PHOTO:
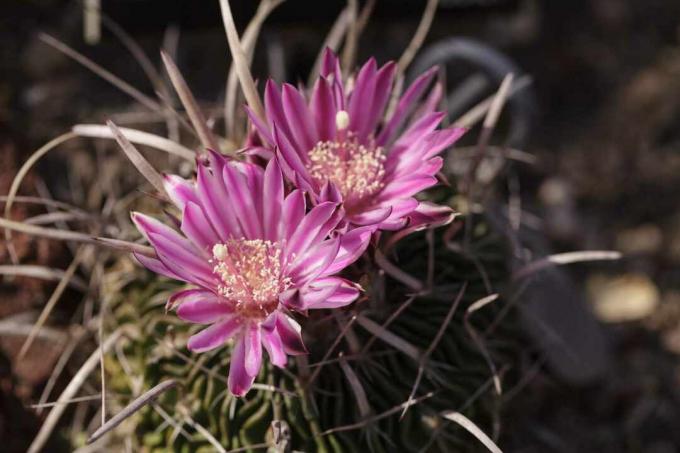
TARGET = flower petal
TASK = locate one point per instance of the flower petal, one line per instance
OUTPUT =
(290, 332)
(313, 227)
(253, 353)
(179, 190)
(299, 118)
(214, 336)
(272, 200)
(338, 292)
(352, 246)
(196, 226)
(272, 343)
(202, 307)
(360, 98)
(293, 213)
(239, 379)
(323, 109)
(371, 217)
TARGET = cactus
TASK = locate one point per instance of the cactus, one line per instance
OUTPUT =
(310, 413)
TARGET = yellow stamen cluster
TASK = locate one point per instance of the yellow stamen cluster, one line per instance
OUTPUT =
(355, 169)
(250, 273)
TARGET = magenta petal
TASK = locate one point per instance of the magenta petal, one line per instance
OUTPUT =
(360, 98)
(293, 213)
(298, 116)
(213, 196)
(383, 85)
(316, 295)
(404, 106)
(274, 108)
(419, 129)
(323, 109)
(202, 307)
(272, 343)
(197, 227)
(239, 379)
(260, 127)
(253, 353)
(272, 199)
(352, 246)
(291, 157)
(214, 336)
(430, 214)
(343, 293)
(314, 261)
(179, 190)
(156, 266)
(183, 259)
(243, 205)
(330, 65)
(371, 217)
(401, 208)
(442, 139)
(312, 226)
(406, 187)
(290, 333)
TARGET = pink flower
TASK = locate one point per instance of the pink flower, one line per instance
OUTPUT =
(253, 255)
(337, 146)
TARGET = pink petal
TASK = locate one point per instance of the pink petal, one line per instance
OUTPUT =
(352, 245)
(272, 343)
(314, 261)
(343, 293)
(290, 333)
(197, 227)
(406, 187)
(214, 336)
(293, 213)
(274, 110)
(361, 97)
(418, 130)
(179, 190)
(371, 217)
(313, 225)
(330, 65)
(383, 85)
(242, 202)
(239, 379)
(156, 266)
(272, 198)
(315, 297)
(260, 127)
(214, 197)
(299, 118)
(290, 156)
(253, 353)
(202, 307)
(442, 139)
(182, 258)
(323, 109)
(404, 106)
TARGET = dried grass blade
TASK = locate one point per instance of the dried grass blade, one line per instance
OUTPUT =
(41, 272)
(136, 136)
(479, 342)
(419, 36)
(66, 235)
(476, 113)
(396, 273)
(101, 72)
(249, 39)
(190, 104)
(389, 337)
(240, 61)
(21, 174)
(559, 259)
(473, 429)
(69, 392)
(52, 301)
(143, 165)
(357, 388)
(131, 408)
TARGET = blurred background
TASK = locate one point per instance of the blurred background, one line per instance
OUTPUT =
(601, 118)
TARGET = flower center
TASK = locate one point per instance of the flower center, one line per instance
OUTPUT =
(355, 169)
(250, 274)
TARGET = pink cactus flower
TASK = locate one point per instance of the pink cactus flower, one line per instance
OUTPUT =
(337, 146)
(253, 256)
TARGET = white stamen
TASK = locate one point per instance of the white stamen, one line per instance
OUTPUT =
(342, 120)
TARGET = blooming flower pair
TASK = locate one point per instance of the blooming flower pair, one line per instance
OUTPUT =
(260, 244)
